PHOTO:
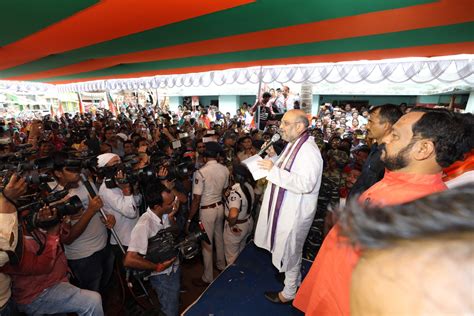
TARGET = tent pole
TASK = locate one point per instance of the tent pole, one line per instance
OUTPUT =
(260, 76)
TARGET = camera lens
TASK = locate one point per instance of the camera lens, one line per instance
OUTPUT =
(38, 178)
(70, 207)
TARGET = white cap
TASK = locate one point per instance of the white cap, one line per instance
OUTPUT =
(122, 136)
(103, 159)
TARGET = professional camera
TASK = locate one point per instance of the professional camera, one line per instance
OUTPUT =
(79, 163)
(80, 133)
(21, 153)
(30, 211)
(127, 167)
(48, 124)
(30, 170)
(163, 246)
(178, 167)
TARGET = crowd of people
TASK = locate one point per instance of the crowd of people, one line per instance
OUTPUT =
(152, 170)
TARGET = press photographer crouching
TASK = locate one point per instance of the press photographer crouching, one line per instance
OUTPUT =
(165, 278)
(84, 235)
(39, 267)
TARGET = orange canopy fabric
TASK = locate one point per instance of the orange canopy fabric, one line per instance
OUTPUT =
(105, 39)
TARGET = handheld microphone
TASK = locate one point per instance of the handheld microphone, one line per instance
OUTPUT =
(274, 139)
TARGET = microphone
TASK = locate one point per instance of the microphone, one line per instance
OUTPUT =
(274, 139)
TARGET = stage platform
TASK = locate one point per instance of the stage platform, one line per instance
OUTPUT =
(239, 289)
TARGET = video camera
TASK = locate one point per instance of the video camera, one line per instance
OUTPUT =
(69, 207)
(30, 170)
(20, 154)
(131, 175)
(162, 246)
(177, 167)
(78, 163)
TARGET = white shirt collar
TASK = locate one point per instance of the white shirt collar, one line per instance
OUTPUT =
(156, 218)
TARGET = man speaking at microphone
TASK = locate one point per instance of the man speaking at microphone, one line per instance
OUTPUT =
(289, 202)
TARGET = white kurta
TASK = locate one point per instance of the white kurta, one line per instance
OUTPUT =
(298, 207)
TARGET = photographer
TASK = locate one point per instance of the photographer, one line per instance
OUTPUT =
(162, 206)
(84, 235)
(119, 198)
(40, 279)
(15, 188)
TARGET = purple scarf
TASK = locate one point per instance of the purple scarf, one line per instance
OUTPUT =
(281, 191)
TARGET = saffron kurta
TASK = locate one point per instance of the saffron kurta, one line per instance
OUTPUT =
(326, 288)
(297, 210)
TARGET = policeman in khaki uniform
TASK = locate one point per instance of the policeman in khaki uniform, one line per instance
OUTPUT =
(210, 183)
(238, 220)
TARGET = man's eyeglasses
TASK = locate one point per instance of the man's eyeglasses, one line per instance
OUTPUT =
(284, 123)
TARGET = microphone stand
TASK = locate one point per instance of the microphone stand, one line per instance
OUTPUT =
(93, 194)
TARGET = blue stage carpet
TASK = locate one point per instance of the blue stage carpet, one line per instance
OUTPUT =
(239, 289)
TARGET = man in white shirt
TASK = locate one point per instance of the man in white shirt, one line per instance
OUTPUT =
(288, 99)
(119, 200)
(165, 277)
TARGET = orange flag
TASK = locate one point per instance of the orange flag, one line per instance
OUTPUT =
(60, 110)
(112, 107)
(81, 106)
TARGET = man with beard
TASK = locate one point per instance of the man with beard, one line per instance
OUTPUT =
(412, 161)
(418, 147)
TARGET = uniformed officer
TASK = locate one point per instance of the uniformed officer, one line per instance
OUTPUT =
(238, 205)
(210, 183)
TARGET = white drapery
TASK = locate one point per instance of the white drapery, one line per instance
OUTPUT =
(447, 69)
(26, 86)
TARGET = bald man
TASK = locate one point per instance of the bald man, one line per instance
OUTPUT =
(290, 201)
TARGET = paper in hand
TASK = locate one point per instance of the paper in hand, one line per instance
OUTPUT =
(255, 170)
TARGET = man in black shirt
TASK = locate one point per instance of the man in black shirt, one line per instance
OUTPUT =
(381, 120)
